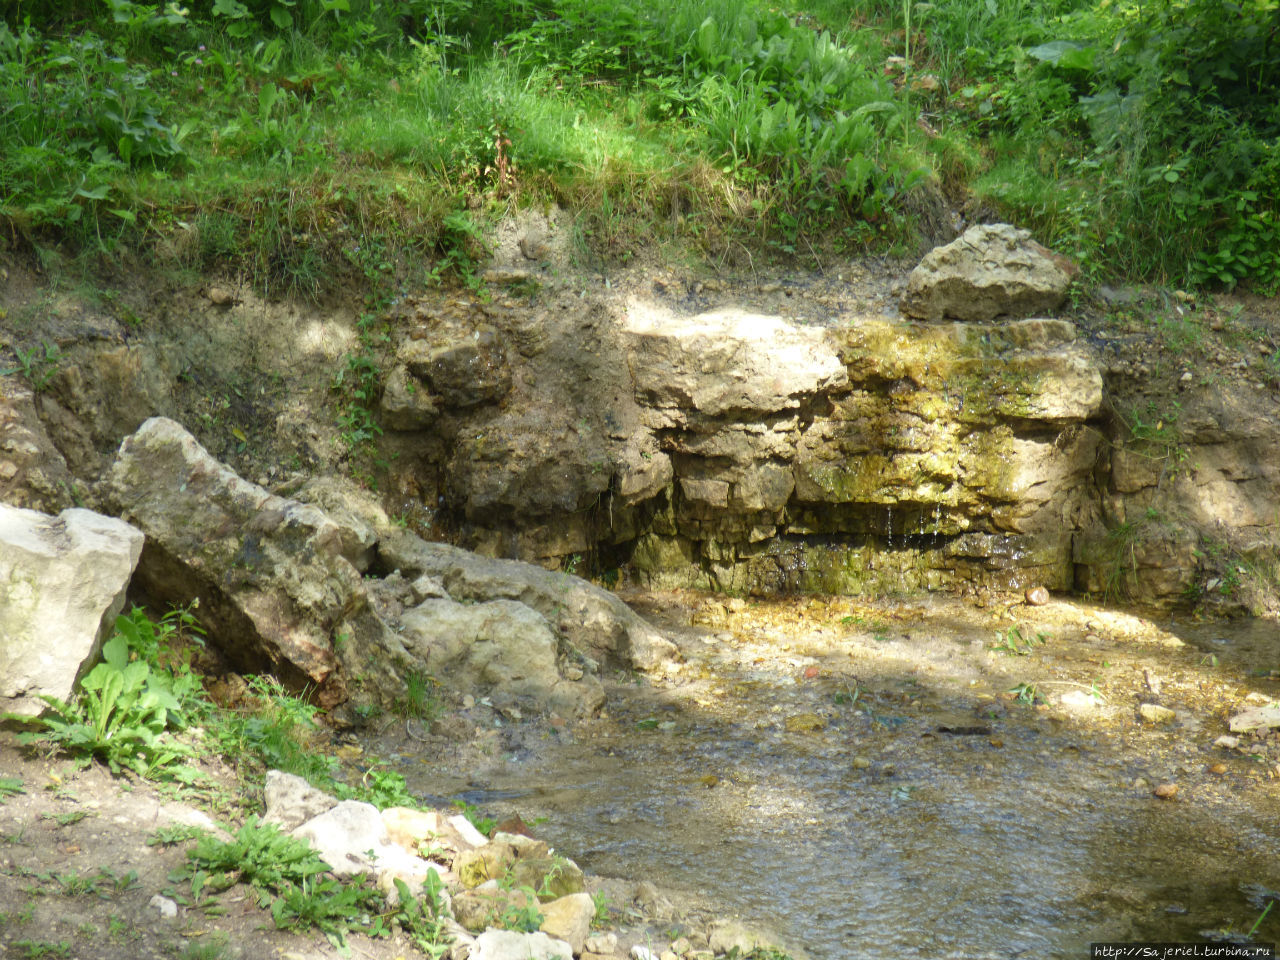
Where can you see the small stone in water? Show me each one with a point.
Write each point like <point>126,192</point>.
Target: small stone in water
<point>1166,791</point>
<point>1154,713</point>
<point>641,952</point>
<point>1037,596</point>
<point>861,763</point>
<point>804,723</point>
<point>1218,768</point>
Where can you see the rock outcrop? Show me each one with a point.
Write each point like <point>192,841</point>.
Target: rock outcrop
<point>33,473</point>
<point>991,270</point>
<point>62,584</point>
<point>280,589</point>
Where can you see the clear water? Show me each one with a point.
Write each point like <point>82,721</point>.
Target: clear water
<point>879,835</point>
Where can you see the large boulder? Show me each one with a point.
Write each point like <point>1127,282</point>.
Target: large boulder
<point>62,584</point>
<point>271,574</point>
<point>991,270</point>
<point>592,620</point>
<point>497,645</point>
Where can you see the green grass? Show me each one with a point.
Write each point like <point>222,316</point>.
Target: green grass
<point>284,140</point>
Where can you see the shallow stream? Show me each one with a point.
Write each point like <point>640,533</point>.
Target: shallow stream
<point>866,782</point>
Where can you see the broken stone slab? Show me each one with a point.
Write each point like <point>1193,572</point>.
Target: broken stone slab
<point>991,270</point>
<point>62,584</point>
<point>270,573</point>
<point>592,620</point>
<point>1256,718</point>
<point>727,363</point>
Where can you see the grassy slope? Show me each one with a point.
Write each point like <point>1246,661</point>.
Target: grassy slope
<point>299,136</point>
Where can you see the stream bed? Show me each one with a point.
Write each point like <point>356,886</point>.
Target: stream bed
<point>923,779</point>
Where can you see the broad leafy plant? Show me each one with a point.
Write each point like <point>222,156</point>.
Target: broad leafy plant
<point>120,717</point>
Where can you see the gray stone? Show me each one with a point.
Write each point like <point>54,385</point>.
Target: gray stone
<point>991,270</point>
<point>727,935</point>
<point>352,838</point>
<point>406,402</point>
<point>592,620</point>
<point>1255,718</point>
<point>496,645</point>
<point>356,515</point>
<point>291,801</point>
<point>510,945</point>
<point>33,472</point>
<point>63,582</point>
<point>1154,713</point>
<point>465,371</point>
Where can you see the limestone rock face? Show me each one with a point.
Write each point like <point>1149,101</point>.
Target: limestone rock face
<point>991,270</point>
<point>62,584</point>
<point>727,363</point>
<point>33,473</point>
<point>270,573</point>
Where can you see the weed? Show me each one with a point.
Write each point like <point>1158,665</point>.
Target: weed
<point>68,818</point>
<point>1027,693</point>
<point>420,701</point>
<point>38,949</point>
<point>381,787</point>
<point>602,915</point>
<point>10,786</point>
<point>424,918</point>
<point>258,854</point>
<point>482,823</point>
<point>173,834</point>
<point>120,717</point>
<point>1012,643</point>
<point>215,948</point>
<point>278,731</point>
<point>847,696</point>
<point>38,368</point>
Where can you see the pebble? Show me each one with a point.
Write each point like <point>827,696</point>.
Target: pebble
<point>1037,596</point>
<point>861,763</point>
<point>1154,713</point>
<point>1218,768</point>
<point>641,952</point>
<point>168,908</point>
<point>1166,791</point>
